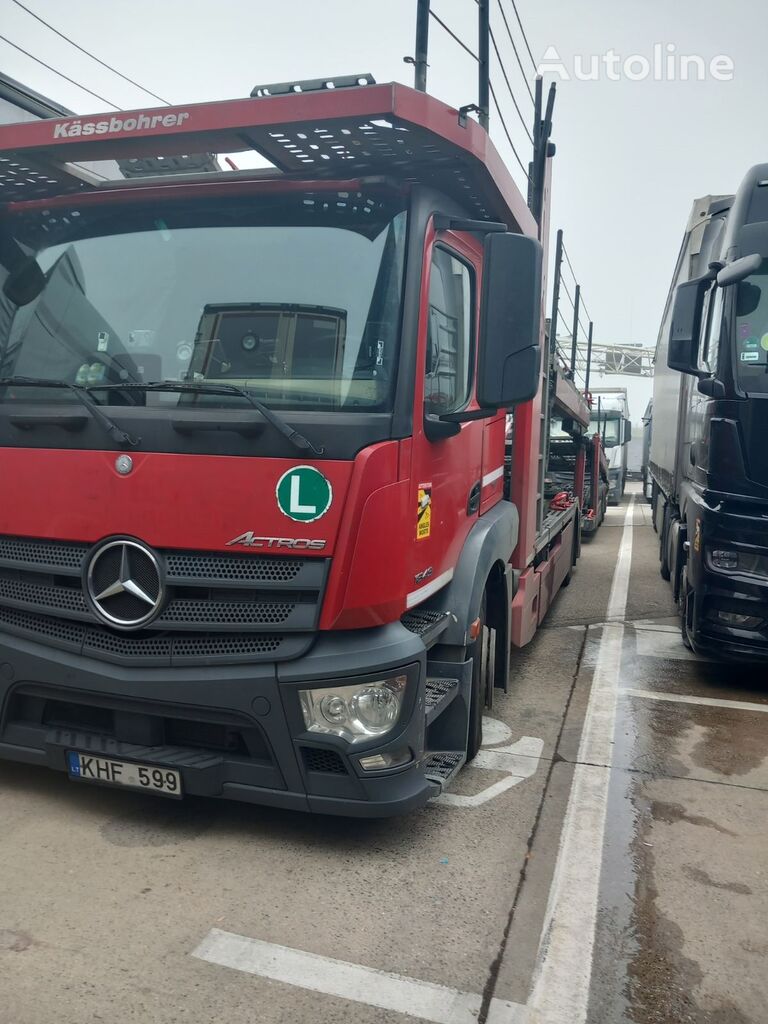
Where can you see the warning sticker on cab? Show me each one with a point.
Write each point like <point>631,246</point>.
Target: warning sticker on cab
<point>424,512</point>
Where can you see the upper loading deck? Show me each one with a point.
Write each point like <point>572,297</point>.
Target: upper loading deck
<point>334,134</point>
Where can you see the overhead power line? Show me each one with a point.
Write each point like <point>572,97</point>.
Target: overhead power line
<point>506,131</point>
<point>514,47</point>
<point>453,35</point>
<point>509,87</point>
<point>525,37</point>
<point>61,74</point>
<point>89,54</point>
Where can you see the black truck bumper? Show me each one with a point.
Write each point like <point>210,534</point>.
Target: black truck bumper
<point>233,732</point>
<point>728,616</point>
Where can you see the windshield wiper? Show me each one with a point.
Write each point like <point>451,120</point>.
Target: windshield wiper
<point>120,437</point>
<point>206,388</point>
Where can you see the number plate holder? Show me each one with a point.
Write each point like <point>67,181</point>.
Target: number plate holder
<point>111,771</point>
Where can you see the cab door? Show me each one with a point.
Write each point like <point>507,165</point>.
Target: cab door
<point>446,458</point>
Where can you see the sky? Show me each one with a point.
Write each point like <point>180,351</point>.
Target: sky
<point>631,155</point>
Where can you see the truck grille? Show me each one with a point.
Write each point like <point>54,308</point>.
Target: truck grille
<point>218,608</point>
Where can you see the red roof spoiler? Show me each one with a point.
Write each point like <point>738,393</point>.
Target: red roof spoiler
<point>333,134</point>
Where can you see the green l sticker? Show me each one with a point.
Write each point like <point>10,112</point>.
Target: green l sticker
<point>304,494</point>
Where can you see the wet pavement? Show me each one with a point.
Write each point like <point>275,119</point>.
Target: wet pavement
<point>604,860</point>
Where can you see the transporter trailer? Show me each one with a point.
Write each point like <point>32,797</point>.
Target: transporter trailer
<point>263,536</point>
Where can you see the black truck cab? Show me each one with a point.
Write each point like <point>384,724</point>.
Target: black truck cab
<point>711,505</point>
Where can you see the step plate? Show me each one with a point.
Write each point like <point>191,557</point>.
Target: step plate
<point>442,765</point>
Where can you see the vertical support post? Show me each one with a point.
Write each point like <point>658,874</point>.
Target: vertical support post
<point>422,46</point>
<point>575,333</point>
<point>484,62</point>
<point>589,358</point>
<point>556,290</point>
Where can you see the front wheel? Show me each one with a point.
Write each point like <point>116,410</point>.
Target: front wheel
<point>684,604</point>
<point>482,651</point>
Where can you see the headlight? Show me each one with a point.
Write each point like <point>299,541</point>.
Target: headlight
<point>732,560</point>
<point>355,712</point>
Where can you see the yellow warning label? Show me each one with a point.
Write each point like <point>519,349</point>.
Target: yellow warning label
<point>424,512</point>
<point>697,536</point>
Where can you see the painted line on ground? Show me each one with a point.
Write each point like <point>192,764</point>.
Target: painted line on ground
<point>421,999</point>
<point>518,761</point>
<point>682,698</point>
<point>667,645</point>
<point>562,976</point>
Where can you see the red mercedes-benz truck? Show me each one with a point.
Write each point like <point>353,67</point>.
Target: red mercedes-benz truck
<point>262,536</point>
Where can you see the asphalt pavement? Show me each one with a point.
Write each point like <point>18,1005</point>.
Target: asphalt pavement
<point>602,861</point>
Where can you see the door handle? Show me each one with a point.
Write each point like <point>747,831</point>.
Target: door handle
<point>473,502</point>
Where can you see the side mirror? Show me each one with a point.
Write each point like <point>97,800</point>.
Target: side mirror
<point>684,333</point>
<point>509,361</point>
<point>739,269</point>
<point>627,430</point>
<point>24,283</point>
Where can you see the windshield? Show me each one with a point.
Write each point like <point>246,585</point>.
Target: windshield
<point>609,429</point>
<point>752,332</point>
<point>296,297</point>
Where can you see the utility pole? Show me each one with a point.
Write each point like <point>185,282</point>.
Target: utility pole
<point>575,333</point>
<point>589,358</point>
<point>484,62</point>
<point>422,46</point>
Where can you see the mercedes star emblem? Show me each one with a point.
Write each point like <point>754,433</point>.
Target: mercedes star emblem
<point>124,584</point>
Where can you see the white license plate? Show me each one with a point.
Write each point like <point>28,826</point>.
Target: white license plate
<point>150,777</point>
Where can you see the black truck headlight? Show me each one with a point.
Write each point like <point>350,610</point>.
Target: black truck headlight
<point>356,713</point>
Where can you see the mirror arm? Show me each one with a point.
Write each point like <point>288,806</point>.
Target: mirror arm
<point>468,415</point>
<point>438,429</point>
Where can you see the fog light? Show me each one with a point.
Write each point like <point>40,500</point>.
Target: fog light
<point>390,759</point>
<point>723,558</point>
<point>354,712</point>
<point>738,621</point>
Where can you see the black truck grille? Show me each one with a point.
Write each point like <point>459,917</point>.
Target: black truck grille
<point>218,607</point>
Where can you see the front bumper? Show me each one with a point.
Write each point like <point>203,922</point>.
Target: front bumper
<point>234,732</point>
<point>614,485</point>
<point>717,593</point>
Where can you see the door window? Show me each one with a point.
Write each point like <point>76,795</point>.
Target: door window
<point>449,336</point>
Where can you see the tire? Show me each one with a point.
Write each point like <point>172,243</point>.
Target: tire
<point>575,552</point>
<point>482,652</point>
<point>654,501</point>
<point>678,564</point>
<point>684,598</point>
<point>664,568</point>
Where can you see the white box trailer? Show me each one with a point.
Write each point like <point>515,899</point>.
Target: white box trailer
<point>670,388</point>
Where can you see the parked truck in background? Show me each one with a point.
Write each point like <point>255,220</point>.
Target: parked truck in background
<point>709,458</point>
<point>610,418</point>
<point>647,435</point>
<point>292,547</point>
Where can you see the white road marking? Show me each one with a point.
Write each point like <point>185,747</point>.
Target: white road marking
<point>561,982</point>
<point>668,645</point>
<point>417,596</point>
<point>738,705</point>
<point>655,627</point>
<point>518,761</point>
<point>359,984</point>
<point>495,731</point>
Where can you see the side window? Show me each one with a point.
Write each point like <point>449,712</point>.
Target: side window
<point>449,336</point>
<point>713,319</point>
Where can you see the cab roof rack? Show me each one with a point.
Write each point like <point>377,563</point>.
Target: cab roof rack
<point>312,85</point>
<point>332,134</point>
